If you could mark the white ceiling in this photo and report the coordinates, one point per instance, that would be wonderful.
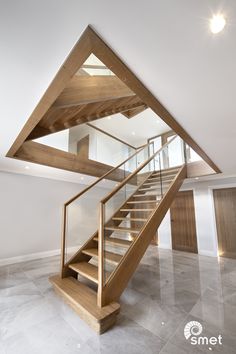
(166, 43)
(136, 130)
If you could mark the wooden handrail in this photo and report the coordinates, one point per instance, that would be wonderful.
(110, 135)
(124, 182)
(104, 176)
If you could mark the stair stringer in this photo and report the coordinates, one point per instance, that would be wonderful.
(120, 277)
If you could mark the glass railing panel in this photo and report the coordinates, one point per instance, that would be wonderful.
(81, 221)
(140, 194)
(191, 155)
(126, 216)
(101, 147)
(173, 154)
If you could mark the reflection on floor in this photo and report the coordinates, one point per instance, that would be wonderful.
(168, 290)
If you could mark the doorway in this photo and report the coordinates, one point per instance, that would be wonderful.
(225, 212)
(183, 223)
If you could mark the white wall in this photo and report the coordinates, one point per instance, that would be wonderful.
(30, 213)
(205, 216)
(59, 140)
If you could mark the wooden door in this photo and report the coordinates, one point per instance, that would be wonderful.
(183, 225)
(225, 211)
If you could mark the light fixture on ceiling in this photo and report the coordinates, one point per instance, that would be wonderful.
(217, 23)
(82, 178)
(133, 133)
(108, 118)
(27, 167)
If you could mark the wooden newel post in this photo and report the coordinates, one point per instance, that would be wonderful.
(101, 254)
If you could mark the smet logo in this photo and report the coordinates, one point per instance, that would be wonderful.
(192, 332)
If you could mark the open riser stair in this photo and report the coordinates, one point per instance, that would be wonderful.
(103, 266)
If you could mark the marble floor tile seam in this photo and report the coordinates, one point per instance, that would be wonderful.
(146, 329)
(184, 321)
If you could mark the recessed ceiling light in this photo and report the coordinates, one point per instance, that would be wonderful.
(196, 178)
(27, 167)
(108, 118)
(82, 178)
(133, 133)
(217, 23)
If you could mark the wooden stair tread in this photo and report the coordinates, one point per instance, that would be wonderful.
(142, 201)
(153, 183)
(129, 219)
(122, 228)
(163, 178)
(87, 270)
(84, 301)
(160, 180)
(111, 257)
(135, 209)
(150, 188)
(144, 195)
(165, 174)
(113, 241)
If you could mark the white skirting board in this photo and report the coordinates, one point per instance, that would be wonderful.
(33, 256)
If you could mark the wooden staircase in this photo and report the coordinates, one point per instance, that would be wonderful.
(95, 277)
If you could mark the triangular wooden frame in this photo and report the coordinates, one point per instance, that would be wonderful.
(90, 43)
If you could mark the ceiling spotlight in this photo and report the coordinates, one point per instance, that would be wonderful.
(27, 167)
(217, 23)
(82, 178)
(133, 133)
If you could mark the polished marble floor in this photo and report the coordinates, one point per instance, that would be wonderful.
(168, 290)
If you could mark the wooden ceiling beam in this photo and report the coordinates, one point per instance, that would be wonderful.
(42, 154)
